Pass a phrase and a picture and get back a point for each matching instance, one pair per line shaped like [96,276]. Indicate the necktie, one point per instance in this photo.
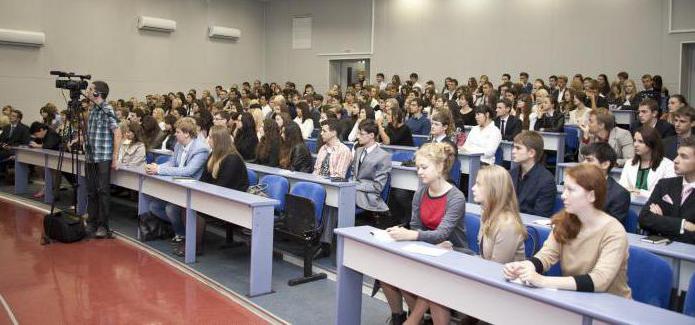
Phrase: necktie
[502,126]
[364,154]
[11,131]
[687,190]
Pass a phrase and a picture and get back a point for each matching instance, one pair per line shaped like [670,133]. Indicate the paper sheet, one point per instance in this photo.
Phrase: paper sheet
[542,222]
[424,250]
[382,236]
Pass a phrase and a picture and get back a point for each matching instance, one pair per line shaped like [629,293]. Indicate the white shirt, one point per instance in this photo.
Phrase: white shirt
[266,110]
[307,126]
[484,140]
[628,177]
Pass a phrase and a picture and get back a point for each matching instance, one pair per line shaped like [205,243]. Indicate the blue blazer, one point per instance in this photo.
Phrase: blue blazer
[194,164]
[537,196]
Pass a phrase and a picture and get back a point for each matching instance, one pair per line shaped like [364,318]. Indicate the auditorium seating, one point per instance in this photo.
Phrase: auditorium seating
[689,306]
[276,188]
[649,277]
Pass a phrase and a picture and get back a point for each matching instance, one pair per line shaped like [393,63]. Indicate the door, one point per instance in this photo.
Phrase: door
[347,72]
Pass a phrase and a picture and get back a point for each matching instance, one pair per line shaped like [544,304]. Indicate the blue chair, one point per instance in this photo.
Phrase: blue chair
[571,139]
[499,156]
[455,173]
[350,145]
[558,204]
[543,233]
[472,225]
[315,133]
[532,242]
[649,277]
[689,306]
[311,145]
[149,157]
[162,159]
[631,222]
[419,140]
[384,194]
[315,192]
[253,178]
[402,155]
[276,188]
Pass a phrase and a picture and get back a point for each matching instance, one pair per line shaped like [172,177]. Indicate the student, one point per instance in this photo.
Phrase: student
[371,167]
[617,198]
[508,124]
[294,154]
[245,137]
[443,128]
[365,113]
[580,114]
[602,128]
[417,122]
[464,115]
[438,207]
[167,139]
[14,134]
[649,165]
[534,184]
[225,167]
[396,133]
[669,211]
[304,119]
[333,158]
[675,102]
[683,122]
[590,245]
[190,155]
[45,138]
[132,150]
[268,149]
[550,120]
[485,137]
[648,114]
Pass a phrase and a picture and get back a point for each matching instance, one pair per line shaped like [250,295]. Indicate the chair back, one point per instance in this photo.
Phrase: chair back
[253,178]
[649,277]
[689,305]
[532,242]
[311,144]
[455,173]
[162,159]
[402,155]
[631,221]
[472,226]
[315,192]
[276,188]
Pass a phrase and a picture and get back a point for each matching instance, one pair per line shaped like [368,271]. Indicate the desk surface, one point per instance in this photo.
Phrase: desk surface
[298,175]
[600,306]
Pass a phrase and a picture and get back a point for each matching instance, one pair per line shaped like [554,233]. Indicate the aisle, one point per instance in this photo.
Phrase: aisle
[99,281]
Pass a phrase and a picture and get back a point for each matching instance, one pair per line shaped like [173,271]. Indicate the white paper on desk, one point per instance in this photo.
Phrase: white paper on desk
[382,236]
[424,250]
[542,222]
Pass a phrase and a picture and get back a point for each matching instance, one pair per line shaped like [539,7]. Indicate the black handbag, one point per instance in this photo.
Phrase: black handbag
[151,228]
[63,227]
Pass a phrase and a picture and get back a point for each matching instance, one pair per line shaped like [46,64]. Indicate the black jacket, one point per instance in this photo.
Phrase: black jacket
[51,140]
[231,174]
[617,200]
[663,128]
[536,191]
[512,127]
[667,195]
[547,123]
[20,135]
[671,147]
[301,160]
[246,145]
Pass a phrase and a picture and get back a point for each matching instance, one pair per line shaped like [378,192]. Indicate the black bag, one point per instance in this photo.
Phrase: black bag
[151,228]
[63,227]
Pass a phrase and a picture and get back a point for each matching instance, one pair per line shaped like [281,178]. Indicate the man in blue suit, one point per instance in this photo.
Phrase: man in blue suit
[602,155]
[190,155]
[534,184]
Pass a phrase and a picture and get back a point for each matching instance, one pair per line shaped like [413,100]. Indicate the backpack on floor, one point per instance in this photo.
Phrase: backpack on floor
[63,227]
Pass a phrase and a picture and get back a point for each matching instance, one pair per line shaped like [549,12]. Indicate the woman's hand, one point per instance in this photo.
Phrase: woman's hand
[399,233]
[512,270]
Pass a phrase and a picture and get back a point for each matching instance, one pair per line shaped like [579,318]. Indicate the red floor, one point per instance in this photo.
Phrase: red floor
[98,282]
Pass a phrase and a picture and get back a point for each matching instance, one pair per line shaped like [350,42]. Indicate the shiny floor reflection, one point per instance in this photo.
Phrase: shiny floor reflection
[98,282]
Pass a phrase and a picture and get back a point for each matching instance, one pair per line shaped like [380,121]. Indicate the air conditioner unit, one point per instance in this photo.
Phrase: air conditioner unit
[21,37]
[223,32]
[156,24]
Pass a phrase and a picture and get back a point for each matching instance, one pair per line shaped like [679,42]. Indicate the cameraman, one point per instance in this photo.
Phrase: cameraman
[103,139]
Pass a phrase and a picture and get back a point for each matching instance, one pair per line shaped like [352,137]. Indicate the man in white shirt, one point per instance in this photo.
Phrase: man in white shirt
[380,82]
[414,78]
[561,88]
[265,106]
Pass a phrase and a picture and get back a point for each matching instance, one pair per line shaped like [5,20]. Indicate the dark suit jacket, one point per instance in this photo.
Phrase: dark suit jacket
[671,147]
[546,123]
[51,140]
[301,160]
[537,194]
[617,200]
[665,129]
[669,224]
[20,135]
[512,127]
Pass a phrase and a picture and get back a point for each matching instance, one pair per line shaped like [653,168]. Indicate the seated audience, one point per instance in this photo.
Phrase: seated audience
[132,151]
[14,134]
[417,122]
[590,245]
[294,154]
[333,158]
[245,137]
[485,137]
[443,128]
[675,102]
[602,128]
[508,124]
[683,123]
[371,166]
[438,207]
[45,138]
[669,210]
[648,114]
[304,119]
[617,197]
[365,113]
[549,119]
[464,115]
[167,139]
[268,149]
[188,160]
[580,114]
[649,165]
[632,101]
[396,132]
[534,184]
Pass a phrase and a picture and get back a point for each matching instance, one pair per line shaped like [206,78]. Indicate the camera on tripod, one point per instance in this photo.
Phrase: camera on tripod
[70,84]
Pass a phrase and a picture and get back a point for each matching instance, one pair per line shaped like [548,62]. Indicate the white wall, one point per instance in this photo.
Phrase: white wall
[101,38]
[463,38]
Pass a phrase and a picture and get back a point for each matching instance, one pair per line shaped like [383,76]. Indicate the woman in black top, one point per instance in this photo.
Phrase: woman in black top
[245,138]
[166,140]
[550,119]
[268,149]
[396,133]
[462,111]
[294,154]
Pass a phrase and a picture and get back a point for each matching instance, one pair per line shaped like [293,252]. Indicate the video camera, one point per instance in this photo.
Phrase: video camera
[69,83]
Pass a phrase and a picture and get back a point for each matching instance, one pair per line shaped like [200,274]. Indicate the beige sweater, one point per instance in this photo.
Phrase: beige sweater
[601,254]
[505,244]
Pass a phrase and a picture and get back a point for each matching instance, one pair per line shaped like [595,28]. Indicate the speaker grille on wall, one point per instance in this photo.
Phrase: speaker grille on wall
[156,24]
[21,37]
[223,32]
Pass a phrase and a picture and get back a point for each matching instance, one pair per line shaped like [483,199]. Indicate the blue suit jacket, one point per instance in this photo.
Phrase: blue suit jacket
[194,164]
[617,200]
[537,196]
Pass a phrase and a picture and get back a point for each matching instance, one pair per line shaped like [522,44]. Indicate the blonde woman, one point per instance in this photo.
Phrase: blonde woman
[158,114]
[631,99]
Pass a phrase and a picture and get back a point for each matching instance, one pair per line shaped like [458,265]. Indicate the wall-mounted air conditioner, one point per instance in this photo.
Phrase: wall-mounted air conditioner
[22,37]
[156,24]
[223,32]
